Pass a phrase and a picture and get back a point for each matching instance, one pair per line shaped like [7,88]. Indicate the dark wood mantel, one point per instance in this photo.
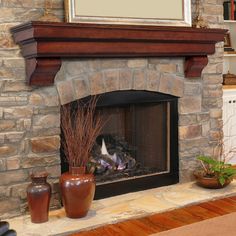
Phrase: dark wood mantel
[43,44]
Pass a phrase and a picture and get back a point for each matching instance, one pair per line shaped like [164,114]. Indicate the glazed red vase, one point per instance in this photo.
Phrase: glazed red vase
[77,189]
[38,196]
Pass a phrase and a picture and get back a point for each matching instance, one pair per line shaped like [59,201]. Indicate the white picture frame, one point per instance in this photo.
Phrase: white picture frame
[132,12]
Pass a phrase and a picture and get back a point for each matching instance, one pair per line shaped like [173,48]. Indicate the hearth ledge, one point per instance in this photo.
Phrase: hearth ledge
[122,207]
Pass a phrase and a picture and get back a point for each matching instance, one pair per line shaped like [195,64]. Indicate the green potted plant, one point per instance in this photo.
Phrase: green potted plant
[214,173]
[80,128]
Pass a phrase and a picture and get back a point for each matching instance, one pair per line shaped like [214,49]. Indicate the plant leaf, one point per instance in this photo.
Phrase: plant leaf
[207,160]
[221,180]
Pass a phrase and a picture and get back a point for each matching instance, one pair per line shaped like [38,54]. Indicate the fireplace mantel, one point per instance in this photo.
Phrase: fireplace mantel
[44,44]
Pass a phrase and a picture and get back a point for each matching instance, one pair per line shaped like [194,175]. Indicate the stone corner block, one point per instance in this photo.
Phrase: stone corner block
[65,90]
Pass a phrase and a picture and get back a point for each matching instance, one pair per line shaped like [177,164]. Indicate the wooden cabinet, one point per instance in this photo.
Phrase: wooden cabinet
[229,91]
[229,122]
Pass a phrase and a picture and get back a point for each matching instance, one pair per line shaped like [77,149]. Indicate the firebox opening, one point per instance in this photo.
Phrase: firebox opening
[136,138]
[138,146]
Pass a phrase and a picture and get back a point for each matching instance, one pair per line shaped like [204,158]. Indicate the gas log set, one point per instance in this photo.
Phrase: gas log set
[113,158]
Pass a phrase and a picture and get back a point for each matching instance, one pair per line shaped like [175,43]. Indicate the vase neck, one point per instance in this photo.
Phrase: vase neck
[76,170]
[39,178]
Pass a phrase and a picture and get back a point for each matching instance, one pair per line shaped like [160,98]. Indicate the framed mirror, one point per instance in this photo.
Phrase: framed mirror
[141,12]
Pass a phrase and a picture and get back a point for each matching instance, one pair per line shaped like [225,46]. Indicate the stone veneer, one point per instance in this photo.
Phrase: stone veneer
[30,116]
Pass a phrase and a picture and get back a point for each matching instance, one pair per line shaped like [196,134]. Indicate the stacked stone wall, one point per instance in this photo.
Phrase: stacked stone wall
[29,122]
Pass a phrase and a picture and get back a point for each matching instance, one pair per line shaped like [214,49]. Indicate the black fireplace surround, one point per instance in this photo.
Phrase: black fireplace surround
[139,98]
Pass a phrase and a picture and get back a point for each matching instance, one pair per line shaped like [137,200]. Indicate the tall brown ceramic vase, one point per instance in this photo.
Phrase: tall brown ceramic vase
[38,196]
[77,189]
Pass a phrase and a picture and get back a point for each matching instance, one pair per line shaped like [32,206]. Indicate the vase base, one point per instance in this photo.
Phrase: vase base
[76,216]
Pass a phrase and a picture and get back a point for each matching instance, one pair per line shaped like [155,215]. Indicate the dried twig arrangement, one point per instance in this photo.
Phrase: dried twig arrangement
[80,128]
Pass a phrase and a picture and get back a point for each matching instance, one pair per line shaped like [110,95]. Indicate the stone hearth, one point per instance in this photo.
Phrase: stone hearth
[120,208]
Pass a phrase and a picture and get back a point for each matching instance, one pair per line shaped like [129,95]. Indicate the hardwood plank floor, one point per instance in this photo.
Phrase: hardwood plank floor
[167,220]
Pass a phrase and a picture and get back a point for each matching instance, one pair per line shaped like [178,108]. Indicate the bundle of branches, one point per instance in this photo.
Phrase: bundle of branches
[80,128]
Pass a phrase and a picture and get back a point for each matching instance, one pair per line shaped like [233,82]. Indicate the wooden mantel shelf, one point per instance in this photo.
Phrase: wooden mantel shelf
[43,44]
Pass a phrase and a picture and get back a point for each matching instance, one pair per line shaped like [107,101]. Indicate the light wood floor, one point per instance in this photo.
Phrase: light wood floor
[165,221]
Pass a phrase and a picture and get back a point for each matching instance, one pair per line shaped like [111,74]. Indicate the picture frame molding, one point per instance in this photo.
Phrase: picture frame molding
[72,16]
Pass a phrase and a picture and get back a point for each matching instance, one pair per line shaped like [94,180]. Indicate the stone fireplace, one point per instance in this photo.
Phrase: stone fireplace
[163,76]
[30,125]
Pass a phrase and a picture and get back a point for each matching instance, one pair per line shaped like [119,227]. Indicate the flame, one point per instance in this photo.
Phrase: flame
[104,148]
[113,157]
